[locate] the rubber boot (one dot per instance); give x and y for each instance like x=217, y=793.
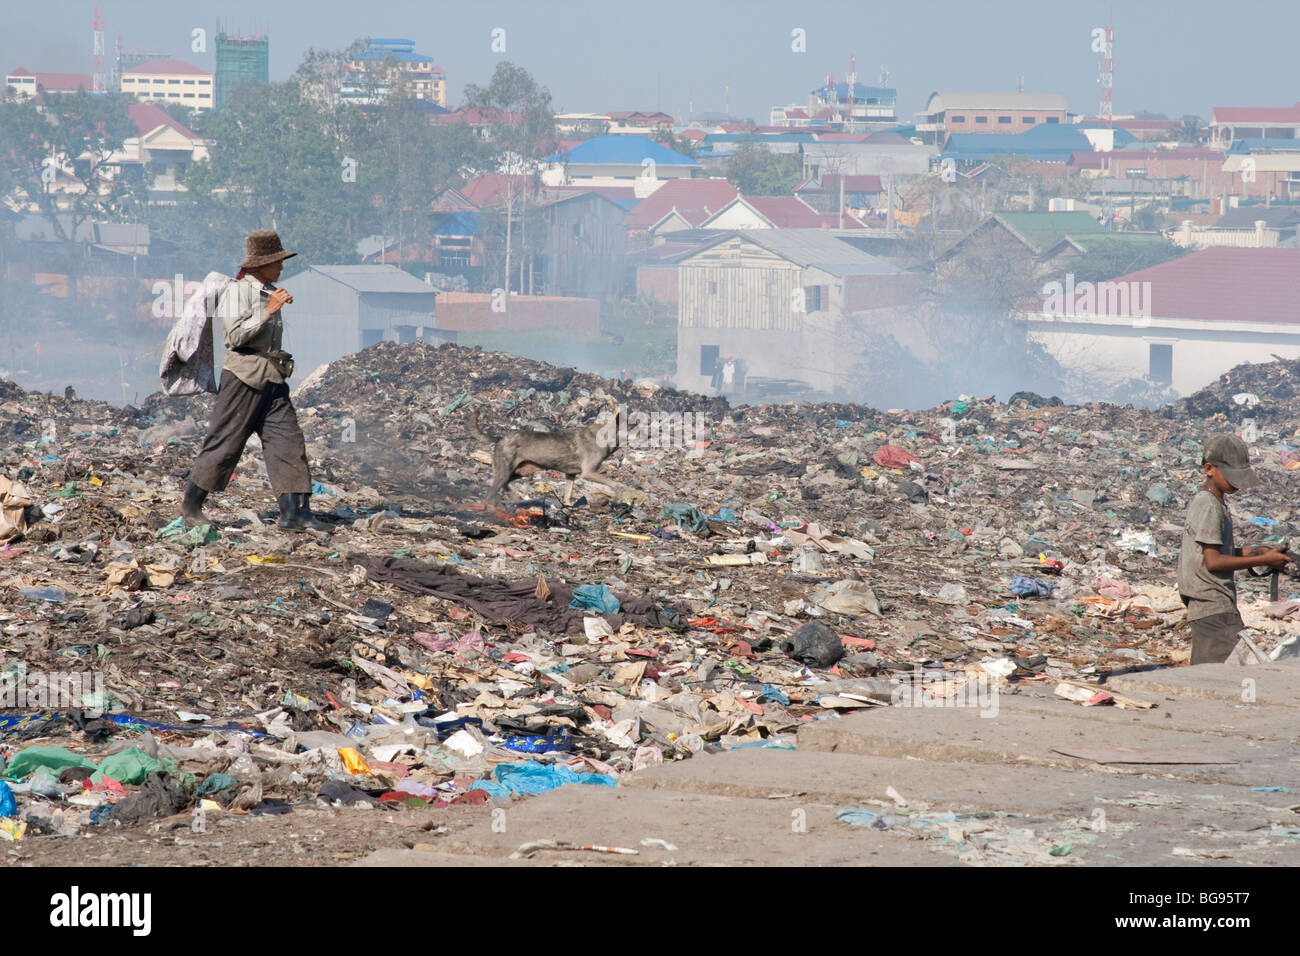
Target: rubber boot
x=192, y=506
x=295, y=514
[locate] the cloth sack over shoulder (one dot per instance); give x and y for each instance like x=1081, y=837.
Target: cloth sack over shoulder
x=188, y=365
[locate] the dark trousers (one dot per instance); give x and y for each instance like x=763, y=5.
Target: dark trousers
x=240, y=412
x=1214, y=637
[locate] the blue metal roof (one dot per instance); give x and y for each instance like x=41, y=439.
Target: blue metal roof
x=615, y=150
x=1265, y=145
x=458, y=224
x=861, y=92
x=397, y=49
x=1050, y=142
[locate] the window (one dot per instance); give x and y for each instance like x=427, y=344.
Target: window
x=1161, y=364
x=1136, y=172
x=814, y=298
x=174, y=82
x=958, y=119
x=982, y=119
x=577, y=230
x=1028, y=120
x=1005, y=120
x=709, y=358
x=1053, y=119
x=205, y=82
x=189, y=82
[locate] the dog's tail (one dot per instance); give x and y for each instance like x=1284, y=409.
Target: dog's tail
x=476, y=430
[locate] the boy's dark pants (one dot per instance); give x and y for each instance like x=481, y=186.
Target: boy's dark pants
x=1214, y=637
x=240, y=412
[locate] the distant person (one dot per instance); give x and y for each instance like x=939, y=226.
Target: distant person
x=728, y=375
x=253, y=396
x=1208, y=560
x=716, y=381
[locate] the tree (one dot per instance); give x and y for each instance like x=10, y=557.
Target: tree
x=521, y=132
x=520, y=119
x=756, y=171
x=275, y=163
x=71, y=134
x=1190, y=129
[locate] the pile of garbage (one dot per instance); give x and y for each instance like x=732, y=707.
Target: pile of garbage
x=753, y=569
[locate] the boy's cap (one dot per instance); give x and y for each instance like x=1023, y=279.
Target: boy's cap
x=1229, y=454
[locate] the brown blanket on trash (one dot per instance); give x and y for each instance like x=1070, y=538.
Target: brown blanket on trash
x=500, y=600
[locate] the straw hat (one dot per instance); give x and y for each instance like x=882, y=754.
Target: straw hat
x=263, y=247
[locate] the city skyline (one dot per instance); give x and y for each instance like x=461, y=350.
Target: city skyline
x=676, y=55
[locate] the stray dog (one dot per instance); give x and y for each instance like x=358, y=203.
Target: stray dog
x=576, y=452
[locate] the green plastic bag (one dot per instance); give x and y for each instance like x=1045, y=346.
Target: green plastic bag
x=177, y=532
x=26, y=762
x=688, y=518
x=130, y=766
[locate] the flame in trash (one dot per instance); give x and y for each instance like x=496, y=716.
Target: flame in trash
x=521, y=516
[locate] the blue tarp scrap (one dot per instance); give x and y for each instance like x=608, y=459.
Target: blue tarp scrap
x=532, y=777
x=595, y=597
x=1030, y=587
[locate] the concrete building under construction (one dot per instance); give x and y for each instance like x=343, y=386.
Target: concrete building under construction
x=240, y=61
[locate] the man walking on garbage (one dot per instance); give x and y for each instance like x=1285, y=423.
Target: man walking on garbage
x=253, y=396
x=1208, y=560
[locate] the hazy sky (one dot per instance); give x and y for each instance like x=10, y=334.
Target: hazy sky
x=1171, y=56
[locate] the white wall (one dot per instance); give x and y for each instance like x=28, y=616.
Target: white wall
x=1110, y=356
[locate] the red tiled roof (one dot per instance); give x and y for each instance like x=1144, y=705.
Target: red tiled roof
x=841, y=137
x=796, y=113
x=1085, y=159
x=694, y=199
x=1256, y=114
x=167, y=66
x=467, y=114
x=694, y=135
x=1224, y=283
x=787, y=212
x=148, y=118
x=490, y=188
x=57, y=82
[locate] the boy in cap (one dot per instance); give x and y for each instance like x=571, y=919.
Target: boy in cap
x=1208, y=560
x=253, y=396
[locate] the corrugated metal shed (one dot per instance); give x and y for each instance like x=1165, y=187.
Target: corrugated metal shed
x=813, y=247
x=373, y=278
